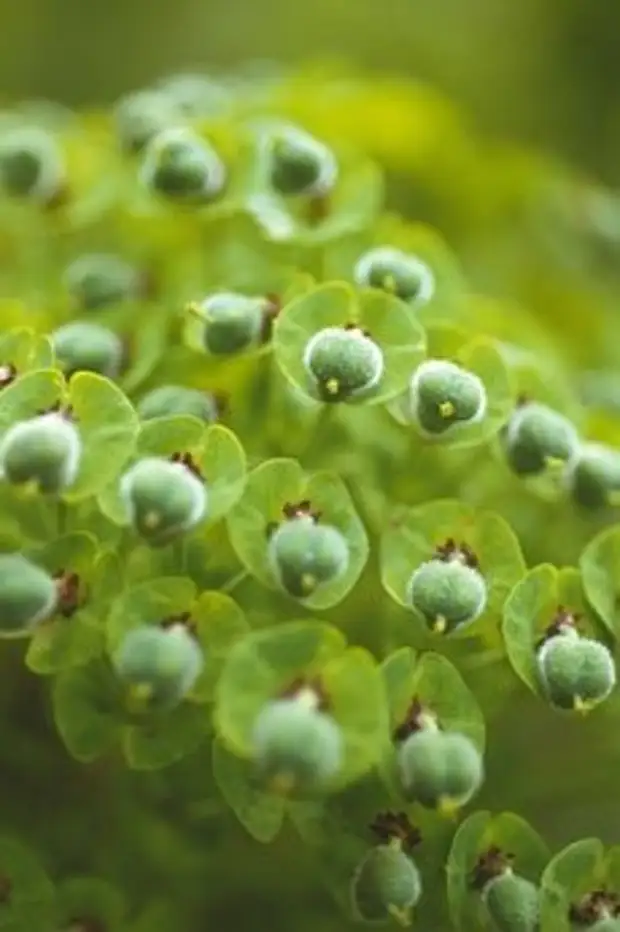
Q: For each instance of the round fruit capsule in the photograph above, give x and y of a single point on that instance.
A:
(343, 363)
(31, 165)
(140, 116)
(159, 665)
(448, 593)
(97, 280)
(593, 475)
(300, 164)
(386, 883)
(304, 555)
(231, 322)
(181, 166)
(398, 272)
(164, 499)
(576, 672)
(169, 400)
(85, 346)
(28, 595)
(439, 769)
(513, 903)
(296, 747)
(537, 435)
(44, 451)
(444, 395)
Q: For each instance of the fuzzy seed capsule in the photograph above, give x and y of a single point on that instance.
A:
(82, 346)
(300, 164)
(44, 451)
(344, 363)
(576, 672)
(158, 665)
(513, 903)
(444, 395)
(593, 475)
(163, 499)
(296, 747)
(98, 280)
(439, 769)
(537, 435)
(31, 165)
(28, 595)
(231, 322)
(170, 400)
(181, 166)
(304, 555)
(387, 883)
(449, 594)
(397, 272)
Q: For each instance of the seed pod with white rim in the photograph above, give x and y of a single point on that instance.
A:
(31, 165)
(28, 596)
(593, 475)
(83, 346)
(181, 166)
(164, 498)
(576, 673)
(299, 164)
(344, 363)
(536, 436)
(397, 272)
(449, 590)
(97, 280)
(304, 554)
(43, 451)
(231, 322)
(167, 400)
(444, 395)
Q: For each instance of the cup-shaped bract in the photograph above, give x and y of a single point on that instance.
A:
(182, 167)
(84, 346)
(44, 452)
(28, 595)
(338, 347)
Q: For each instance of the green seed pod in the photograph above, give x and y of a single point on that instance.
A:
(140, 116)
(449, 594)
(159, 665)
(576, 672)
(304, 555)
(608, 924)
(164, 499)
(232, 322)
(439, 769)
(297, 747)
(45, 451)
(28, 595)
(181, 166)
(31, 165)
(343, 362)
(444, 395)
(386, 883)
(593, 475)
(84, 346)
(513, 903)
(169, 400)
(536, 435)
(393, 270)
(97, 280)
(300, 164)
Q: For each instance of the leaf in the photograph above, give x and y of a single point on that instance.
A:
(220, 624)
(600, 568)
(28, 904)
(86, 710)
(261, 814)
(573, 872)
(148, 603)
(223, 464)
(89, 900)
(531, 603)
(25, 350)
(161, 740)
(29, 395)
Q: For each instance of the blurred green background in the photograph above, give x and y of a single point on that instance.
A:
(545, 71)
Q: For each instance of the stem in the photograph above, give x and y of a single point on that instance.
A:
(234, 581)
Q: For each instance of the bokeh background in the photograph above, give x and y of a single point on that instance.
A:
(545, 71)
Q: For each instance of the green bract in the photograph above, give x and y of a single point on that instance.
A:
(304, 555)
(44, 452)
(96, 280)
(395, 271)
(444, 395)
(142, 115)
(537, 436)
(31, 164)
(448, 593)
(163, 498)
(176, 399)
(387, 884)
(84, 346)
(440, 769)
(343, 362)
(513, 903)
(179, 165)
(593, 476)
(300, 164)
(230, 322)
(158, 665)
(576, 672)
(297, 748)
(28, 596)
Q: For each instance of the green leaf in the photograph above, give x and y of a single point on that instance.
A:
(108, 427)
(86, 710)
(89, 900)
(25, 350)
(149, 602)
(29, 395)
(223, 464)
(220, 624)
(261, 814)
(573, 872)
(27, 905)
(161, 740)
(600, 568)
(264, 664)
